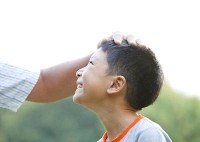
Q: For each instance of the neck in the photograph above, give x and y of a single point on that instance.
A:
(116, 120)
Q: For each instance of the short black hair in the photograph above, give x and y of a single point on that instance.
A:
(141, 69)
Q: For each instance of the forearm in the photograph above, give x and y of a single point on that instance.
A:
(57, 82)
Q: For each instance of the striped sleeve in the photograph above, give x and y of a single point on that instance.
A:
(15, 85)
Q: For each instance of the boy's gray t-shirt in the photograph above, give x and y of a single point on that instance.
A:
(145, 131)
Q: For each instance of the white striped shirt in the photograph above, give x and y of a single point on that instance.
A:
(15, 85)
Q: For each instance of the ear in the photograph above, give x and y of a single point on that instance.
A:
(117, 84)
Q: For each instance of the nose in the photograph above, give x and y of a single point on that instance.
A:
(79, 72)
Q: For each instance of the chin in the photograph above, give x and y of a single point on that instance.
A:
(77, 96)
(76, 99)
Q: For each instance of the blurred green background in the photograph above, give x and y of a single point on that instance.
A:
(64, 121)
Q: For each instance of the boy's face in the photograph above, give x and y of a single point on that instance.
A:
(93, 81)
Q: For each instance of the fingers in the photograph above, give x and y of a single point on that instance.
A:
(118, 37)
(131, 40)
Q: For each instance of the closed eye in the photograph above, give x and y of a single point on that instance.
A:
(90, 62)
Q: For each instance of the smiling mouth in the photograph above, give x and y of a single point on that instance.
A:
(79, 86)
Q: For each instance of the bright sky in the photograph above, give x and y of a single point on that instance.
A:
(41, 33)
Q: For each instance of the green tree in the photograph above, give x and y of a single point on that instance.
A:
(62, 121)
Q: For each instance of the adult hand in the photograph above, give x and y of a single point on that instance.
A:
(118, 37)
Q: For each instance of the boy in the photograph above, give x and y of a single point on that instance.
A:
(118, 81)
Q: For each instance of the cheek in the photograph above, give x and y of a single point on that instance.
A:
(96, 90)
(94, 85)
(91, 83)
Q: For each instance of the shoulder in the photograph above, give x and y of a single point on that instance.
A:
(148, 131)
(146, 123)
